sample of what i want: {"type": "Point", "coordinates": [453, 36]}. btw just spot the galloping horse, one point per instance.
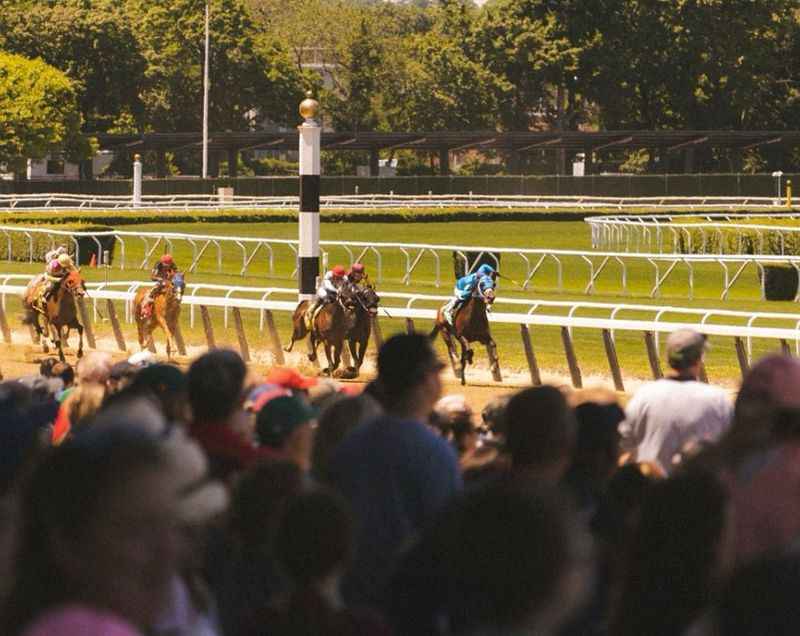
{"type": "Point", "coordinates": [469, 325]}
{"type": "Point", "coordinates": [366, 303]}
{"type": "Point", "coordinates": [164, 313]}
{"type": "Point", "coordinates": [331, 324]}
{"type": "Point", "coordinates": [58, 313]}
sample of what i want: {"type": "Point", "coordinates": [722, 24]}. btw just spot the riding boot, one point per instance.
{"type": "Point", "coordinates": [312, 309]}
{"type": "Point", "coordinates": [450, 311]}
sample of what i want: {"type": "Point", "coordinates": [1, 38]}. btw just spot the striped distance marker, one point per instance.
{"type": "Point", "coordinates": [308, 253]}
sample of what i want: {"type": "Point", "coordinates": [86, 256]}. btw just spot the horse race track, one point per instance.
{"type": "Point", "coordinates": [564, 234]}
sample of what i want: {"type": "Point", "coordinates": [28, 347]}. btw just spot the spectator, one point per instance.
{"type": "Point", "coordinates": [285, 424]}
{"type": "Point", "coordinates": [394, 470]}
{"type": "Point", "coordinates": [216, 388]}
{"type": "Point", "coordinates": [335, 423]}
{"type": "Point", "coordinates": [289, 378]}
{"type": "Point", "coordinates": [768, 387]}
{"type": "Point", "coordinates": [500, 561]}
{"type": "Point", "coordinates": [95, 367]}
{"type": "Point", "coordinates": [120, 376]}
{"type": "Point", "coordinates": [83, 403]}
{"type": "Point", "coordinates": [761, 599]}
{"type": "Point", "coordinates": [540, 434]}
{"type": "Point", "coordinates": [246, 577]}
{"type": "Point", "coordinates": [453, 417]}
{"type": "Point", "coordinates": [167, 383]}
{"type": "Point", "coordinates": [654, 429]}
{"type": "Point", "coordinates": [596, 453]}
{"type": "Point", "coordinates": [677, 557]}
{"type": "Point", "coordinates": [63, 371]}
{"type": "Point", "coordinates": [99, 545]}
{"type": "Point", "coordinates": [313, 546]}
{"type": "Point", "coordinates": [46, 366]}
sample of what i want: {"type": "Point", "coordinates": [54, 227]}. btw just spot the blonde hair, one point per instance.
{"type": "Point", "coordinates": [84, 402]}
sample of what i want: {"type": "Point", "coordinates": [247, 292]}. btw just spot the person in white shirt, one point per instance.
{"type": "Point", "coordinates": [663, 416]}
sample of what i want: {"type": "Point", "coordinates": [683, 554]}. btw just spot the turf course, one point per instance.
{"type": "Point", "coordinates": [562, 234]}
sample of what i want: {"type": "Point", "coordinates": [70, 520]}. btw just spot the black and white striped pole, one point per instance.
{"type": "Point", "coordinates": [308, 252]}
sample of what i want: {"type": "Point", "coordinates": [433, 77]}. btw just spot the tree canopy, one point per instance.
{"type": "Point", "coordinates": [39, 112]}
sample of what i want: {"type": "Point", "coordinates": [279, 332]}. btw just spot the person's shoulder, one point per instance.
{"type": "Point", "coordinates": [76, 619]}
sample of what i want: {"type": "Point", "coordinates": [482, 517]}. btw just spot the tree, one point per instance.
{"type": "Point", "coordinates": [528, 43]}
{"type": "Point", "coordinates": [691, 63]}
{"type": "Point", "coordinates": [39, 113]}
{"type": "Point", "coordinates": [438, 87]}
{"type": "Point", "coordinates": [252, 76]}
{"type": "Point", "coordinates": [92, 42]}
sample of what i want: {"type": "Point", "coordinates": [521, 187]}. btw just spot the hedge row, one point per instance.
{"type": "Point", "coordinates": [742, 240]}
{"type": "Point", "coordinates": [25, 249]}
{"type": "Point", "coordinates": [373, 215]}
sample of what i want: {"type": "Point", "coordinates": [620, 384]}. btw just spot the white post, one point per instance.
{"type": "Point", "coordinates": [137, 180]}
{"type": "Point", "coordinates": [308, 253]}
{"type": "Point", "coordinates": [205, 93]}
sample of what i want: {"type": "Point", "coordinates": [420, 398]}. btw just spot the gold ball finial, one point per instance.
{"type": "Point", "coordinates": [309, 106]}
{"type": "Point", "coordinates": [137, 157]}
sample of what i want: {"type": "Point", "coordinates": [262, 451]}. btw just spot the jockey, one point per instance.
{"type": "Point", "coordinates": [162, 272]}
{"type": "Point", "coordinates": [357, 275]}
{"type": "Point", "coordinates": [464, 288]}
{"type": "Point", "coordinates": [332, 282]}
{"type": "Point", "coordinates": [57, 269]}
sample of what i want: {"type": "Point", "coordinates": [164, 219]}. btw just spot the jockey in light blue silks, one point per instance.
{"type": "Point", "coordinates": [465, 286]}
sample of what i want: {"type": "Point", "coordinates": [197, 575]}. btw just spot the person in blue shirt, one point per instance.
{"type": "Point", "coordinates": [465, 286]}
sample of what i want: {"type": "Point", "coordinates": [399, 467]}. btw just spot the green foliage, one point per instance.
{"type": "Point", "coordinates": [38, 112]}
{"type": "Point", "coordinates": [93, 43]}
{"type": "Point", "coordinates": [738, 240]}
{"type": "Point", "coordinates": [24, 250]}
{"type": "Point", "coordinates": [248, 71]}
{"type": "Point", "coordinates": [270, 167]}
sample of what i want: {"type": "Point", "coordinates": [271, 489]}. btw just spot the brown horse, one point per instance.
{"type": "Point", "coordinates": [366, 304]}
{"type": "Point", "coordinates": [164, 313]}
{"type": "Point", "coordinates": [469, 325]}
{"type": "Point", "coordinates": [59, 314]}
{"type": "Point", "coordinates": [331, 324]}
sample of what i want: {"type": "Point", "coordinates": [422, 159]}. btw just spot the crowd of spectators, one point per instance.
{"type": "Point", "coordinates": [138, 499]}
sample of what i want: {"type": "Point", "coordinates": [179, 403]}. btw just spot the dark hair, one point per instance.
{"type": "Point", "coordinates": [493, 558]}
{"type": "Point", "coordinates": [314, 536]}
{"type": "Point", "coordinates": [64, 371]}
{"type": "Point", "coordinates": [46, 366]}
{"type": "Point", "coordinates": [62, 496]}
{"type": "Point", "coordinates": [215, 383]}
{"type": "Point", "coordinates": [540, 426]}
{"type": "Point", "coordinates": [258, 500]}
{"type": "Point", "coordinates": [625, 492]}
{"type": "Point", "coordinates": [403, 361]}
{"type": "Point", "coordinates": [334, 424]}
{"type": "Point", "coordinates": [165, 382]}
{"type": "Point", "coordinates": [668, 567]}
{"type": "Point", "coordinates": [761, 598]}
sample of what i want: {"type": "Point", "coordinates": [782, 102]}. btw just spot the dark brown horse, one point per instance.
{"type": "Point", "coordinates": [366, 304]}
{"type": "Point", "coordinates": [331, 324]}
{"type": "Point", "coordinates": [469, 325]}
{"type": "Point", "coordinates": [164, 313]}
{"type": "Point", "coordinates": [58, 314]}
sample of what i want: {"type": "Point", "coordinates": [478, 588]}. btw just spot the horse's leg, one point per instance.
{"type": "Point", "coordinates": [329, 357]}
{"type": "Point", "coordinates": [494, 358]}
{"type": "Point", "coordinates": [168, 333]}
{"type": "Point", "coordinates": [352, 345]}
{"type": "Point", "coordinates": [451, 350]}
{"type": "Point", "coordinates": [79, 329]}
{"type": "Point", "coordinates": [56, 334]}
{"type": "Point", "coordinates": [466, 357]}
{"type": "Point", "coordinates": [337, 356]}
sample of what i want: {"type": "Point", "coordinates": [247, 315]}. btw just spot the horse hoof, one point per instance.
{"type": "Point", "coordinates": [326, 371]}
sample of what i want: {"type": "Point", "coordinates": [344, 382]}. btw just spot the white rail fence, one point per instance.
{"type": "Point", "coordinates": [408, 258]}
{"type": "Point", "coordinates": [526, 314]}
{"type": "Point", "coordinates": [71, 202]}
{"type": "Point", "coordinates": [667, 233]}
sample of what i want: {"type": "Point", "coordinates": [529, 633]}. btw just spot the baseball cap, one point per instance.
{"type": "Point", "coordinates": [260, 394]}
{"type": "Point", "coordinates": [289, 378]}
{"type": "Point", "coordinates": [280, 416]}
{"type": "Point", "coordinates": [685, 347]}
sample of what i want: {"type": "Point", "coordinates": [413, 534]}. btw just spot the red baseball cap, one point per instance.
{"type": "Point", "coordinates": [289, 378]}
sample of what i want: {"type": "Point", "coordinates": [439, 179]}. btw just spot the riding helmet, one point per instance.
{"type": "Point", "coordinates": [338, 271]}
{"type": "Point", "coordinates": [167, 259]}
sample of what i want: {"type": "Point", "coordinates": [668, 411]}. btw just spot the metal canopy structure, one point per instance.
{"type": "Point", "coordinates": [444, 142]}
